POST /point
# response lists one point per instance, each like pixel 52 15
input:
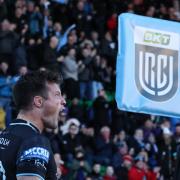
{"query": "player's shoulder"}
pixel 22 129
pixel 29 133
pixel 37 139
pixel 35 146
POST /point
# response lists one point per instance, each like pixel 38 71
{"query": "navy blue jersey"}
pixel 25 152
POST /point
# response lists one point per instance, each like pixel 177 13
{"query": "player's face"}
pixel 52 106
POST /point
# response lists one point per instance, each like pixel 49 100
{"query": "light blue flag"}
pixel 63 38
pixel 61 1
pixel 45 27
pixel 148 77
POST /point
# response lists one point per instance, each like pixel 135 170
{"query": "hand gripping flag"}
pixel 148 66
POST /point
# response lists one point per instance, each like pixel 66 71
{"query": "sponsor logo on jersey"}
pixel 4 141
pixel 40 163
pixel 36 152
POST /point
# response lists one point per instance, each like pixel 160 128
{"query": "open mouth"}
pixel 63 112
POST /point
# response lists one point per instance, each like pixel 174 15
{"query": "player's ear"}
pixel 38 101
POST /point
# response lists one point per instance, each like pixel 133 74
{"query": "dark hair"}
pixel 177 124
pixel 33 84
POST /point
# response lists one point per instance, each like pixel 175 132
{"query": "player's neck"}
pixel 32 118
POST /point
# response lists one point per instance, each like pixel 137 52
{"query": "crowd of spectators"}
pixel 78 38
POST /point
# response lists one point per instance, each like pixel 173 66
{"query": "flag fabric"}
pixel 61 1
pixel 148 66
pixel 64 37
pixel 45 27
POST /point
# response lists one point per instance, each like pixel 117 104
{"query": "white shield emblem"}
pixel 156 66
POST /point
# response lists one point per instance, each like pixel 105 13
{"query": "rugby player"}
pixel 25 154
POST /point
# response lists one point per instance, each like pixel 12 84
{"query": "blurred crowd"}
pixel 78 39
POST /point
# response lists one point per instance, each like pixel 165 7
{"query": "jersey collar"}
pixel 25 123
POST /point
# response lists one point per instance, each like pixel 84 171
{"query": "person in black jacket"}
pixel 101 110
pixel 177 169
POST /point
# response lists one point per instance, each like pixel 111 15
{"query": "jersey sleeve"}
pixel 35 158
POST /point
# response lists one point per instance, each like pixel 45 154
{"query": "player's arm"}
pixel 33 160
pixel 28 178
